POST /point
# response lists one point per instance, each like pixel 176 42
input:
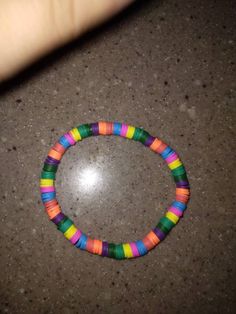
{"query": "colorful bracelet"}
pixel 66 225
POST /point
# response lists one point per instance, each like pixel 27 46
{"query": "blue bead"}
pixel 82 242
pixel 167 151
pixel 116 128
pixel 141 247
pixel 48 196
pixel 64 142
pixel 179 205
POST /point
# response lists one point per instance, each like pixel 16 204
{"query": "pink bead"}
pixel 134 249
pixel 176 211
pixel 47 189
pixel 124 129
pixel 172 158
pixel 75 237
pixel 70 139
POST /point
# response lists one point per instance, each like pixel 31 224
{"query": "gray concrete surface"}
pixel 167 66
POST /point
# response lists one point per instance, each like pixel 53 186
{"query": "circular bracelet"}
pixel 103 248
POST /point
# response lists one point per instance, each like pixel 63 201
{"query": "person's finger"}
pixel 29 29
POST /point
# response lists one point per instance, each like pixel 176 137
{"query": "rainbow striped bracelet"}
pixel 66 225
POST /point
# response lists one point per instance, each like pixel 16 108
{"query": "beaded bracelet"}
pixel 66 225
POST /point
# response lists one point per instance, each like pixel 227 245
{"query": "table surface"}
pixel 168 67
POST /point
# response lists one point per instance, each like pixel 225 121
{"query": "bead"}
pixel 149 140
pixel 104 248
pixel 59 148
pixel 75 237
pixel 50 168
pixel 81 243
pixel 64 142
pixel 70 138
pixel 141 247
pixel 59 217
pixel 46 182
pixel 159 233
pixel 119 252
pixel 127 250
pixel 130 132
pixel 70 232
pixel 124 129
pixel 144 136
pixel 102 128
pixel 116 128
pixel 134 249
pixel 48 175
pixel 54 154
pixel 137 134
pixel 95 128
pixel 172 217
pixel 53 211
pixel 85 130
pixel 65 225
pixel 111 250
pixel 75 134
pixel 153 238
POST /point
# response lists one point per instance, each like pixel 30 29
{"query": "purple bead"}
pixel 95 128
pixel 184 184
pixel 58 218
pixel 51 161
pixel 160 234
pixel 149 140
pixel 104 248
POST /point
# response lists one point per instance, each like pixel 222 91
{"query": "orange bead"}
pixel 51 203
pixel 109 128
pixel 90 245
pixel 59 148
pixel 156 143
pixel 158 146
pixel 52 212
pixel 97 247
pixel 161 148
pixel 182 191
pixel 102 127
pixel 55 154
pixel 148 244
pixel 153 238
pixel 182 198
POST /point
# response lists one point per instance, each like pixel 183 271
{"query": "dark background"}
pixel 167 66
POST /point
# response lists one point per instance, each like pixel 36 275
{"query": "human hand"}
pixel 29 29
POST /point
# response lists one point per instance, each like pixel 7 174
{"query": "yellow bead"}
pixel 175 164
pixel 76 135
pixel 130 131
pixel 127 250
pixel 70 232
pixel 172 217
pixel 46 182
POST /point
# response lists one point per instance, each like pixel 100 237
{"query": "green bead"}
pixel 62 222
pixel 182 177
pixel 48 175
pixel 178 171
pixel 137 134
pixel 167 223
pixel 90 129
pixel 119 252
pixel 65 225
pixel 162 228
pixel 111 250
pixel 85 130
pixel 143 137
pixel 50 168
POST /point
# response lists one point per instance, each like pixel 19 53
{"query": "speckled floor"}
pixel 168 67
